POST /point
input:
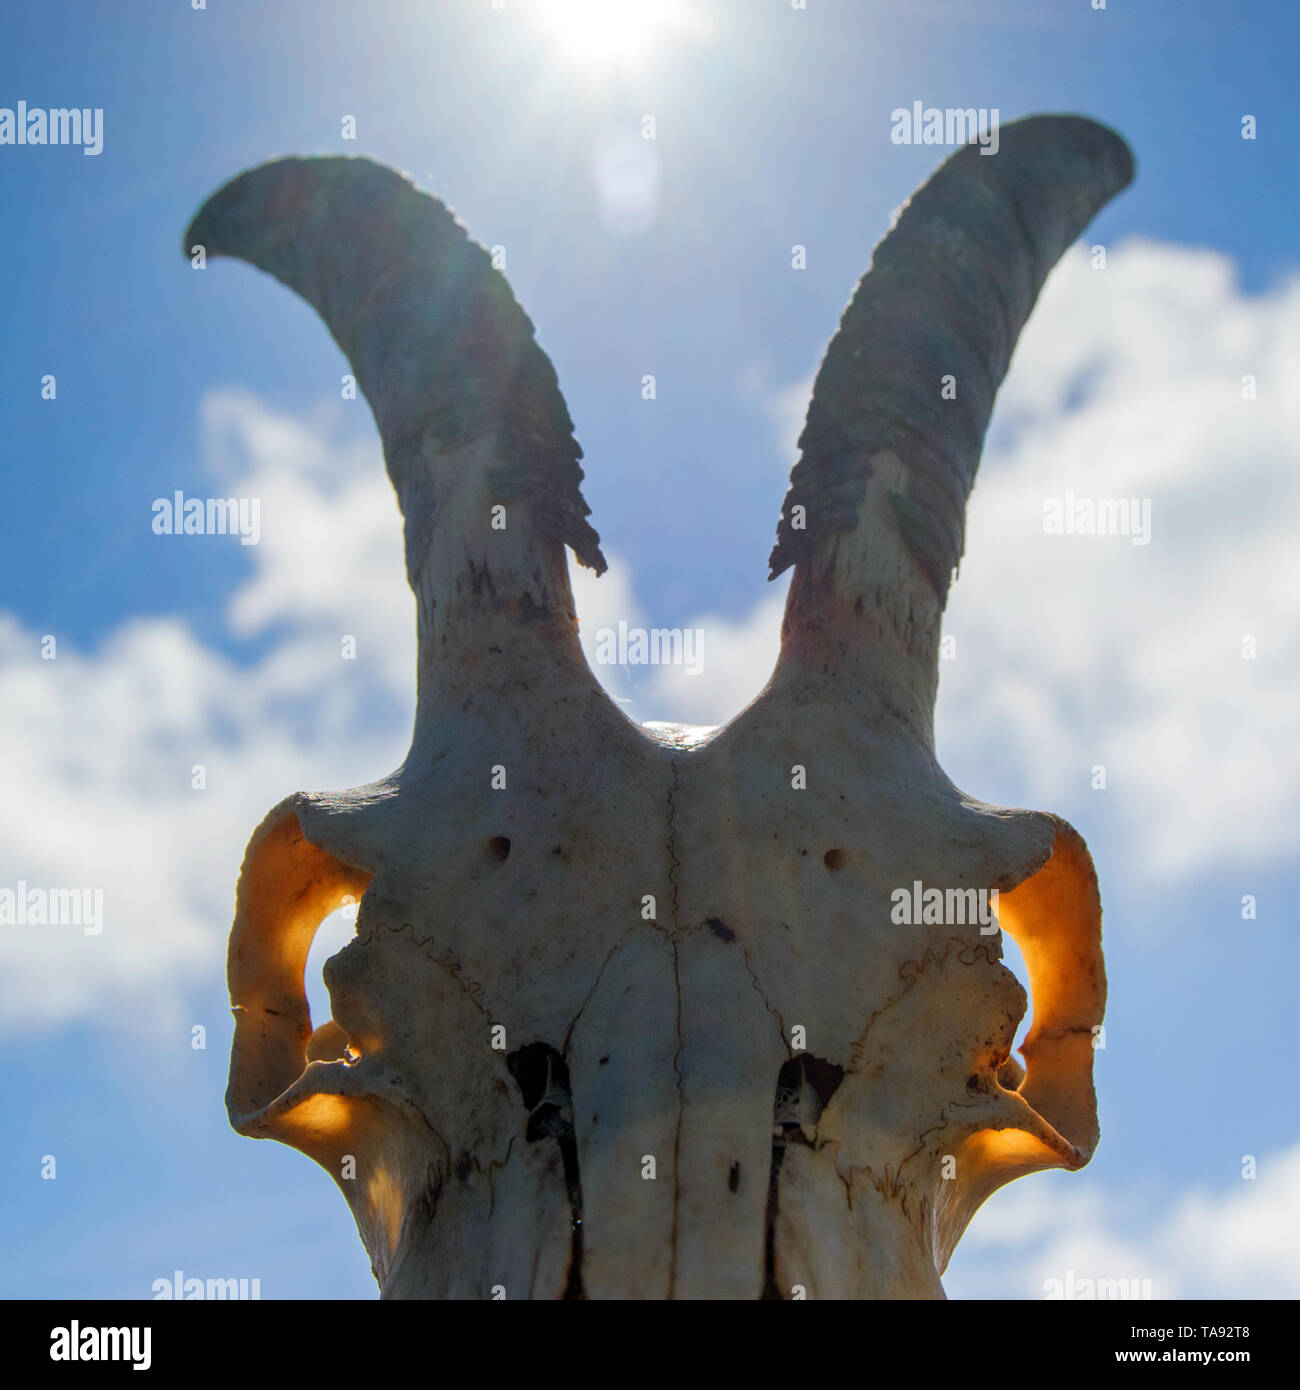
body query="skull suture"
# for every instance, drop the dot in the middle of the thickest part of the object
(628, 1013)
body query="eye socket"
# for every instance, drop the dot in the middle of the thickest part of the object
(498, 847)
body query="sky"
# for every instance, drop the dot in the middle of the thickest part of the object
(670, 257)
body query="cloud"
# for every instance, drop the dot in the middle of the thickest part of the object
(737, 656)
(99, 746)
(784, 406)
(1077, 651)
(734, 657)
(1233, 1243)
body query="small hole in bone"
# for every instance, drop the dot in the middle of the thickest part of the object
(543, 1079)
(833, 858)
(804, 1087)
(499, 847)
(338, 930)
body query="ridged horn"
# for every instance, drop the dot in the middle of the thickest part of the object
(948, 293)
(439, 345)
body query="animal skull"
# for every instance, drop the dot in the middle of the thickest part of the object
(629, 1012)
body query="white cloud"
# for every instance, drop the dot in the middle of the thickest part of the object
(98, 746)
(603, 602)
(1140, 647)
(785, 406)
(737, 656)
(1237, 1242)
(1074, 650)
(734, 656)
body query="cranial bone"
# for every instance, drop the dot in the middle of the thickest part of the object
(629, 1011)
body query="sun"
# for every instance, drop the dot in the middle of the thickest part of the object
(609, 30)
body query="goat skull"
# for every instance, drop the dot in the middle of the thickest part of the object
(628, 1012)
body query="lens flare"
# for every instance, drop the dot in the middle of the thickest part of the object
(610, 30)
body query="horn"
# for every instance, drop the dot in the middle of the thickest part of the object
(875, 514)
(476, 436)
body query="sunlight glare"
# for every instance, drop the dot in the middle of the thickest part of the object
(597, 30)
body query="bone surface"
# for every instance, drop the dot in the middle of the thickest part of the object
(655, 1012)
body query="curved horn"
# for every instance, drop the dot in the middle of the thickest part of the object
(467, 404)
(887, 462)
(437, 339)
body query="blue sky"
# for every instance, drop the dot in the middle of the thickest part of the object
(772, 129)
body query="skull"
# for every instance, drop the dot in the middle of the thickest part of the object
(664, 1012)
